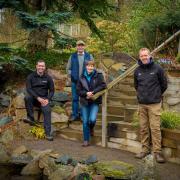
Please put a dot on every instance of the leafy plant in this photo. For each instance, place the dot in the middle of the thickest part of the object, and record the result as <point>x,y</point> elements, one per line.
<point>170,120</point>
<point>38,131</point>
<point>135,121</point>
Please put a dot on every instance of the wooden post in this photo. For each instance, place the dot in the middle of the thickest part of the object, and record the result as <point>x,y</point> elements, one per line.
<point>104,119</point>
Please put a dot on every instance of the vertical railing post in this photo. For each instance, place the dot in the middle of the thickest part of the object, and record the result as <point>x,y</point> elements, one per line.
<point>104,119</point>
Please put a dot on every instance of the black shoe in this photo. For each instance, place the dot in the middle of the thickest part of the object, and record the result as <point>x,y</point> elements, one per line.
<point>74,119</point>
<point>30,122</point>
<point>49,138</point>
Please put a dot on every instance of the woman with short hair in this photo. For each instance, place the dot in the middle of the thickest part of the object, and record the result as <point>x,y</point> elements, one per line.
<point>89,84</point>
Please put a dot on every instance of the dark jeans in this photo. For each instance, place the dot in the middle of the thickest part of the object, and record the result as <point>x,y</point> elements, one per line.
<point>75,101</point>
<point>30,102</point>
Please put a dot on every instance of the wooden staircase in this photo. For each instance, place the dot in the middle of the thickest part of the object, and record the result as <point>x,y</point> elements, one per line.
<point>121,105</point>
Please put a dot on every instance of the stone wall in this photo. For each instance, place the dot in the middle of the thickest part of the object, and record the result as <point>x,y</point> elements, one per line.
<point>171,99</point>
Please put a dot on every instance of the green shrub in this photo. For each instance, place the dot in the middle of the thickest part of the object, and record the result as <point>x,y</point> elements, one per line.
<point>53,59</point>
<point>170,120</point>
<point>135,121</point>
<point>178,58</point>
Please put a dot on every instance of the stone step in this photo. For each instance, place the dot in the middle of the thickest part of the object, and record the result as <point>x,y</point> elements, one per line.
<point>119,92</point>
<point>126,82</point>
<point>131,135</point>
<point>123,100</point>
<point>115,126</point>
<point>123,86</point>
<point>79,126</point>
<point>125,147</point>
<point>126,111</point>
<point>116,110</point>
<point>76,135</point>
<point>111,117</point>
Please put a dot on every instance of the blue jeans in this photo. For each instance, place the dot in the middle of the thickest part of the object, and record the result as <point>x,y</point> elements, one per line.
<point>89,114</point>
<point>75,101</point>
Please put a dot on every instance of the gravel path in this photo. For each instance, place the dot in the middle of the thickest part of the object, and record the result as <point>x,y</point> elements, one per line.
<point>167,171</point>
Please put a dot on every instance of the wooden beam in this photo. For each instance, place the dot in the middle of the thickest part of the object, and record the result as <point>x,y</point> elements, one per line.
<point>165,42</point>
<point>104,119</point>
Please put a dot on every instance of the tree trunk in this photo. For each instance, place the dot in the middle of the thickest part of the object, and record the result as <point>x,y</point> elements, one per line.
<point>37,40</point>
<point>179,48</point>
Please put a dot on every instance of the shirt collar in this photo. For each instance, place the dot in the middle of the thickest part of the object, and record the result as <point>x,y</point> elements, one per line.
<point>81,53</point>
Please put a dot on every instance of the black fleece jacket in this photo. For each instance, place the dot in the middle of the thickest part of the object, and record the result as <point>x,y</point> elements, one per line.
<point>40,86</point>
<point>96,84</point>
<point>150,82</point>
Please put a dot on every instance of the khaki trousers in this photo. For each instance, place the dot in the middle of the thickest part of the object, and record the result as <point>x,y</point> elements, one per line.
<point>149,116</point>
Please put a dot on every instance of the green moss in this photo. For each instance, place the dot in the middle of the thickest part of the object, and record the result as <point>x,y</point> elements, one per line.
<point>58,109</point>
<point>114,169</point>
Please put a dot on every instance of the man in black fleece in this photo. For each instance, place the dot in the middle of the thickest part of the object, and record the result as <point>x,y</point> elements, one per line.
<point>150,83</point>
<point>40,89</point>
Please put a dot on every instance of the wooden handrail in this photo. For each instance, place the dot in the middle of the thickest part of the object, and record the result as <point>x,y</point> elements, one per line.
<point>132,68</point>
<point>117,80</point>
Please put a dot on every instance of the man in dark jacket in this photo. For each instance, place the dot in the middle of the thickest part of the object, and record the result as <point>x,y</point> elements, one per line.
<point>150,83</point>
<point>75,68</point>
<point>40,89</point>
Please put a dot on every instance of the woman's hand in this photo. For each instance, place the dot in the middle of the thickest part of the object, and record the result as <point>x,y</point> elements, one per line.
<point>89,95</point>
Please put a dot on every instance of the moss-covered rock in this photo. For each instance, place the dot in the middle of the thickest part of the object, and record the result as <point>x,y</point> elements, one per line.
<point>58,109</point>
<point>114,169</point>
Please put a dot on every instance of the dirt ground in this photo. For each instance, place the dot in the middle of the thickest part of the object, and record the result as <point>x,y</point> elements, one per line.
<point>167,171</point>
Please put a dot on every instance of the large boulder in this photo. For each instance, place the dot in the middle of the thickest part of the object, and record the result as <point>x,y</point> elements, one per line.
<point>4,100</point>
<point>7,136</point>
<point>62,173</point>
<point>59,118</point>
<point>91,159</point>
<point>61,97</point>
<point>79,169</point>
<point>58,109</point>
<point>20,150</point>
<point>18,101</point>
<point>114,169</point>
<point>65,160</point>
<point>5,120</point>
<point>21,159</point>
<point>4,157</point>
<point>32,168</point>
<point>48,165</point>
<point>39,153</point>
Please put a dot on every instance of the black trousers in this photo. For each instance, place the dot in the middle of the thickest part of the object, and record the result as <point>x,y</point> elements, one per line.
<point>30,102</point>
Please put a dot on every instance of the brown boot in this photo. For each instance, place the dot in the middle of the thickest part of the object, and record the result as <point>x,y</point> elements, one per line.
<point>142,155</point>
<point>159,157</point>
